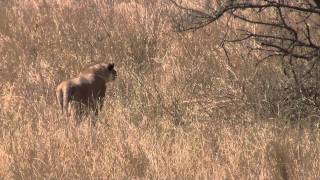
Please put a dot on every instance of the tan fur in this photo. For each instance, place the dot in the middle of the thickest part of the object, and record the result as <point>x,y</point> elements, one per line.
<point>87,91</point>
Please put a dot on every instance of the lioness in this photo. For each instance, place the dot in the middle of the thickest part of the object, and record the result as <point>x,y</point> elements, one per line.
<point>85,92</point>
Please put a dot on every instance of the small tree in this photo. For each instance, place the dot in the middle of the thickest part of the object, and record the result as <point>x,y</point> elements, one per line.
<point>286,30</point>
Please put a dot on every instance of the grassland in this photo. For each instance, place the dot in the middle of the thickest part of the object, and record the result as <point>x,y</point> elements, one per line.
<point>178,110</point>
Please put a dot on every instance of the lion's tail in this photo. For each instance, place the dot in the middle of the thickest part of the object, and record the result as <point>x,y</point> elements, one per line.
<point>59,93</point>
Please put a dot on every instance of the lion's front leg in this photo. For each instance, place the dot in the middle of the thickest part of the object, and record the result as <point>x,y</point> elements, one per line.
<point>97,109</point>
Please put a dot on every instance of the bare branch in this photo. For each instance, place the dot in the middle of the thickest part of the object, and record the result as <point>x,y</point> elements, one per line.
<point>288,31</point>
<point>215,15</point>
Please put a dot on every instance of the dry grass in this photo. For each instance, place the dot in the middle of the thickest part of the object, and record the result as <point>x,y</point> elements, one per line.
<point>178,109</point>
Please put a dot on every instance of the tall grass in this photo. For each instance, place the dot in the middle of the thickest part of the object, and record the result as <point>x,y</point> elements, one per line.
<point>178,110</point>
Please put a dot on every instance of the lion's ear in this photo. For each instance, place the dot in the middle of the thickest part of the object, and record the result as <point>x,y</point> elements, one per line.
<point>110,66</point>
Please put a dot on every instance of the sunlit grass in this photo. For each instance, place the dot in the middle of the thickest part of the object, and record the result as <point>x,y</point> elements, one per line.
<point>178,110</point>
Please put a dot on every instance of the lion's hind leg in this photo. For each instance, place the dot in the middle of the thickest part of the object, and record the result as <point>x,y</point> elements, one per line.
<point>76,113</point>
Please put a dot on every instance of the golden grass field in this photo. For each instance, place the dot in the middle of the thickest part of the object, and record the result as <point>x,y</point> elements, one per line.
<point>178,110</point>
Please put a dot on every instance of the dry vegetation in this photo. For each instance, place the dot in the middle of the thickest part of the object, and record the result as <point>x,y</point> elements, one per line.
<point>178,110</point>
